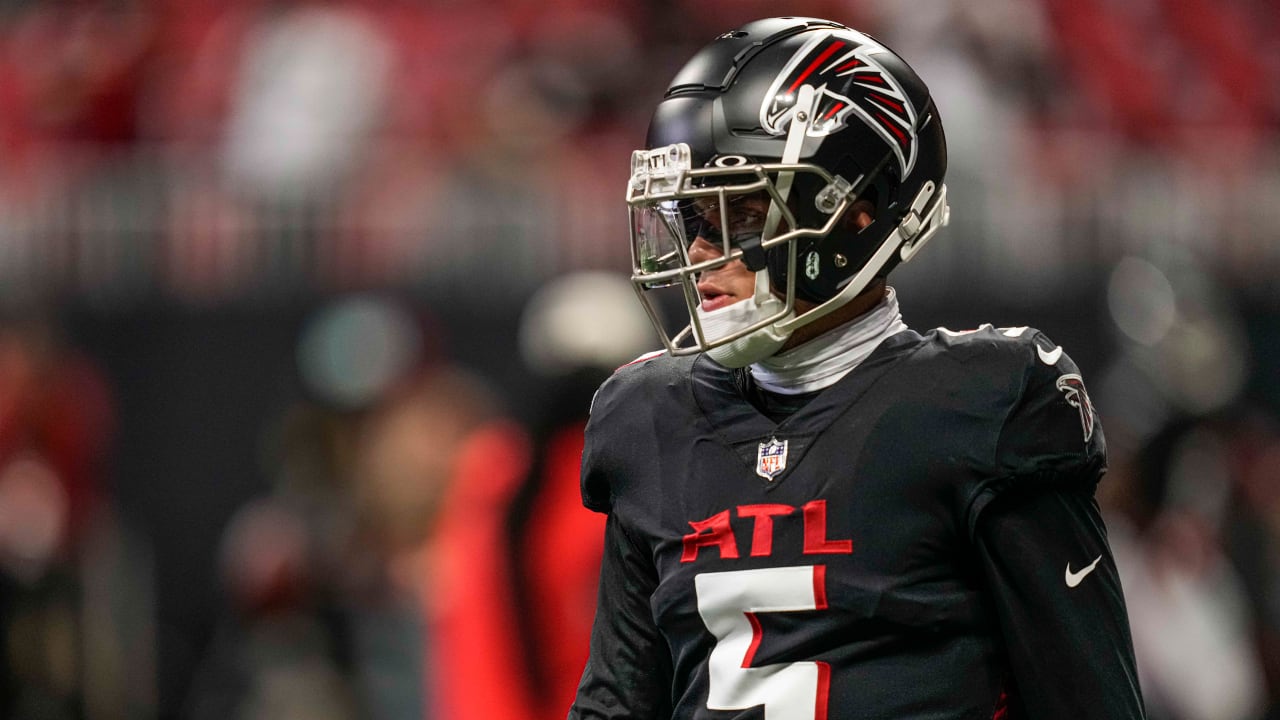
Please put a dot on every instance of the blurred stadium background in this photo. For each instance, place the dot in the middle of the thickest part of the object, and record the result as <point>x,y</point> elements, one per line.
<point>301,303</point>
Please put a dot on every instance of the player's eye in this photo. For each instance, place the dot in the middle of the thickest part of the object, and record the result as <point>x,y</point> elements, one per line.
<point>705,230</point>
<point>744,216</point>
<point>747,220</point>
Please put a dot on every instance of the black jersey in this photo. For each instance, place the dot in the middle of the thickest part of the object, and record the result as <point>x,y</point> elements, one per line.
<point>919,540</point>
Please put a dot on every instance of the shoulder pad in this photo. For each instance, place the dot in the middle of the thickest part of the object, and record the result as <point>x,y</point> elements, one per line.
<point>625,370</point>
<point>620,405</point>
<point>984,335</point>
<point>1053,424</point>
<point>1049,435</point>
<point>647,356</point>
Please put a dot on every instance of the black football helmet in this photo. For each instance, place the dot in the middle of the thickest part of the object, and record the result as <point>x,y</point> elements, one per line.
<point>811,116</point>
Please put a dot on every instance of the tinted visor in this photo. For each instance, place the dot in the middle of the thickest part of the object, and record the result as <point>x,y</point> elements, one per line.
<point>739,216</point>
<point>662,231</point>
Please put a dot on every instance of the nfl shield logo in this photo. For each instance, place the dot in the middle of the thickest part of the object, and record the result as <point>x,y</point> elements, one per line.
<point>772,458</point>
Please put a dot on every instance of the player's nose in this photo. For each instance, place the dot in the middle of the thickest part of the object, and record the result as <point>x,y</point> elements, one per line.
<point>702,249</point>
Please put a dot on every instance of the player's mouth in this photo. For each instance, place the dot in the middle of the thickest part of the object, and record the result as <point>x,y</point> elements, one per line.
<point>713,298</point>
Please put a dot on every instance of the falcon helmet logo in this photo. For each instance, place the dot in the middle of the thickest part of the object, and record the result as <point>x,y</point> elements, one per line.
<point>1072,386</point>
<point>873,94</point>
<point>771,459</point>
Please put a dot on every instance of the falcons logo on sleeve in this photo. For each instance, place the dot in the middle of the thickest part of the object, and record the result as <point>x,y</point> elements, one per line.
<point>847,80</point>
<point>1072,386</point>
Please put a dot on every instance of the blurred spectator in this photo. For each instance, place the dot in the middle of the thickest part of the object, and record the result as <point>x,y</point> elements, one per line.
<point>56,412</point>
<point>1193,625</point>
<point>290,644</point>
<point>55,430</point>
<point>1183,443</point>
<point>335,578</point>
<point>574,332</point>
<point>1251,533</point>
<point>80,68</point>
<point>310,91</point>
<point>280,656</point>
<point>449,433</point>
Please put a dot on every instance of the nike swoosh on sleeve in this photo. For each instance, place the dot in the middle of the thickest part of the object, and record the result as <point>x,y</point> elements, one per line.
<point>1073,579</point>
<point>1049,357</point>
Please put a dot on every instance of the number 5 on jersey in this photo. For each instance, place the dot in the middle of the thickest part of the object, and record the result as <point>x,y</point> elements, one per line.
<point>728,603</point>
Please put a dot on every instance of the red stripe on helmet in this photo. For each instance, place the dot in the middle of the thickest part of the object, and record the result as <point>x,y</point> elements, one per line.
<point>893,128</point>
<point>887,101</point>
<point>814,65</point>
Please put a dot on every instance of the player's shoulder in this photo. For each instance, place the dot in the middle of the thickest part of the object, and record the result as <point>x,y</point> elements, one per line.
<point>621,417</point>
<point>641,378</point>
<point>1023,354</point>
<point>646,365</point>
<point>1046,429</point>
<point>1021,344</point>
<point>1016,352</point>
<point>1049,418</point>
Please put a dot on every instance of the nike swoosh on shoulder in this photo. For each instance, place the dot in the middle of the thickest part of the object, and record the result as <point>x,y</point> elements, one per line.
<point>1073,579</point>
<point>1049,357</point>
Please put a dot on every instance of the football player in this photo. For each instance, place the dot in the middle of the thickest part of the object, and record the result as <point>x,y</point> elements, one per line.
<point>815,511</point>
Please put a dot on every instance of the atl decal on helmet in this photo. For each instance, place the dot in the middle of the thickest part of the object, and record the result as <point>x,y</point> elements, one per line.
<point>873,94</point>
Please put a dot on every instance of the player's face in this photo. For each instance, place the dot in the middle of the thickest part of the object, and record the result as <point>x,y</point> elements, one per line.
<point>732,282</point>
<point>722,286</point>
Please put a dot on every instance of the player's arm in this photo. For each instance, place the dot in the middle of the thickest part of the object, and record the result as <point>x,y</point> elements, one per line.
<point>628,673</point>
<point>1057,595</point>
<point>1042,546</point>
